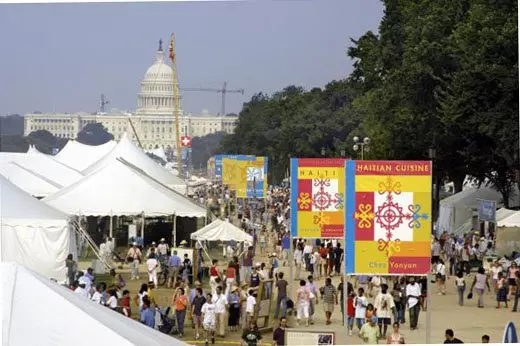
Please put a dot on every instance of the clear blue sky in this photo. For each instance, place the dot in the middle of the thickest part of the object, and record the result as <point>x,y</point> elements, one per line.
<point>63,56</point>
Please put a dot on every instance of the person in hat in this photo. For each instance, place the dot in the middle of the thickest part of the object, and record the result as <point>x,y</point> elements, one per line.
<point>234,308</point>
<point>183,243</point>
<point>162,250</point>
<point>370,332</point>
<point>134,256</point>
<point>243,304</point>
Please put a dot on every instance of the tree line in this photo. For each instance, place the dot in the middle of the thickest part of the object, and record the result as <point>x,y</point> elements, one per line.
<point>438,75</point>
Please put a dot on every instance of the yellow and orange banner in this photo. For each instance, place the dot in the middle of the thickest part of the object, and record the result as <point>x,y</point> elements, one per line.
<point>317,198</point>
<point>388,217</point>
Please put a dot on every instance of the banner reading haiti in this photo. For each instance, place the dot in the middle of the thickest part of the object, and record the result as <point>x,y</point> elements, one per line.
<point>317,198</point>
<point>388,217</point>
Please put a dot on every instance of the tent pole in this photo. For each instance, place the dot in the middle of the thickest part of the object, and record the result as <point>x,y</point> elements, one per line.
<point>111,232</point>
<point>142,227</point>
<point>174,232</point>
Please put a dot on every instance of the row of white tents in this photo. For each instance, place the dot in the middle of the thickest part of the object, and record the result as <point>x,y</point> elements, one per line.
<point>113,179</point>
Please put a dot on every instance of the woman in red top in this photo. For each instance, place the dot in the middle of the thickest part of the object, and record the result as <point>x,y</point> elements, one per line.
<point>214,276</point>
<point>231,275</point>
<point>125,304</point>
<point>180,303</point>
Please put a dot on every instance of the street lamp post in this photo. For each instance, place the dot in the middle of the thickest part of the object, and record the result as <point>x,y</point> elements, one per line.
<point>361,145</point>
<point>432,153</point>
<point>342,153</point>
<point>322,151</point>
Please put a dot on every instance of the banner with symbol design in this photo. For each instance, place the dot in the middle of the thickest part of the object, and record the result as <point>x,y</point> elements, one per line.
<point>388,217</point>
<point>252,177</point>
<point>317,198</point>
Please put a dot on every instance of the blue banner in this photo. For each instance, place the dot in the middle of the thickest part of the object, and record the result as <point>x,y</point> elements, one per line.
<point>487,211</point>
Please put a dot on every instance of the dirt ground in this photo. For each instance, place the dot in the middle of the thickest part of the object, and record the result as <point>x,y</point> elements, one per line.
<point>468,322</point>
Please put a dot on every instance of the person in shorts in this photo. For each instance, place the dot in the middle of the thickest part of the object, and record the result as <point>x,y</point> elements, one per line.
<point>330,298</point>
<point>196,308</point>
<point>209,319</point>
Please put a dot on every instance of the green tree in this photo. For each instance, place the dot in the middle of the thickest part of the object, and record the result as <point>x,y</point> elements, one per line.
<point>94,134</point>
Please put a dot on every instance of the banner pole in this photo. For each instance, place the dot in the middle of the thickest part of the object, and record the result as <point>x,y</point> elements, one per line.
<point>344,308</point>
<point>428,309</point>
<point>291,264</point>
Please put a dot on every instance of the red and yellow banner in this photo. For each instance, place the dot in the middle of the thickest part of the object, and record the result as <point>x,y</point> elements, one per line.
<point>388,217</point>
<point>317,198</point>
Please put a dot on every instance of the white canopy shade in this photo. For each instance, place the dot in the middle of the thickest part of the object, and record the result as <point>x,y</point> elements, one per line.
<point>32,233</point>
<point>80,156</point>
<point>122,189</point>
<point>503,213</point>
<point>45,166</point>
<point>73,320</point>
<point>512,220</point>
<point>27,180</point>
<point>222,230</point>
<point>128,151</point>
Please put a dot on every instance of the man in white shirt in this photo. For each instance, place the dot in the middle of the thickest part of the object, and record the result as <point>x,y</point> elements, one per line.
<point>96,297</point>
<point>162,248</point>
<point>413,294</point>
<point>384,304</point>
<point>307,252</point>
<point>220,301</point>
<point>151,266</point>
<point>298,258</point>
<point>81,291</point>
<point>85,280</point>
<point>436,253</point>
<point>250,306</point>
<point>360,305</point>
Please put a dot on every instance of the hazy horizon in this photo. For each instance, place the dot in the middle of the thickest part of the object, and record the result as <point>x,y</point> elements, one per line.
<point>62,57</point>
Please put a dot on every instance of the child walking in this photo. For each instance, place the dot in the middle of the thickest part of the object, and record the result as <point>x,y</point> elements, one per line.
<point>460,285</point>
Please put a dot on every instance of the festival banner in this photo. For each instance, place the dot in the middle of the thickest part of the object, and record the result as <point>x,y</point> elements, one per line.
<point>218,167</point>
<point>211,168</point>
<point>388,217</point>
<point>317,198</point>
<point>253,178</point>
<point>229,171</point>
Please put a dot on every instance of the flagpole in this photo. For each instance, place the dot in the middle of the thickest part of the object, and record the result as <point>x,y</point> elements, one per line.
<point>176,105</point>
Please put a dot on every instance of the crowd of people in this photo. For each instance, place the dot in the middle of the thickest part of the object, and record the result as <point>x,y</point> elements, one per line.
<point>376,306</point>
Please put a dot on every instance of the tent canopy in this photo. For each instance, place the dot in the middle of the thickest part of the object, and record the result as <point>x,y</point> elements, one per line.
<point>503,213</point>
<point>22,313</point>
<point>513,220</point>
<point>221,230</point>
<point>456,210</point>
<point>80,156</point>
<point>127,150</point>
<point>31,182</point>
<point>120,188</point>
<point>45,166</point>
<point>32,233</point>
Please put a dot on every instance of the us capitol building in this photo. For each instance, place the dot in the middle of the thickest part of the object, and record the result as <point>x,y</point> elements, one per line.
<point>153,120</point>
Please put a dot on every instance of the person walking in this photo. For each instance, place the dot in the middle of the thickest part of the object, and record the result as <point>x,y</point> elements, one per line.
<point>450,337</point>
<point>151,266</point>
<point>384,305</point>
<point>517,292</point>
<point>502,290</point>
<point>196,311</point>
<point>311,285</point>
<point>251,335</point>
<point>209,319</point>
<point>399,301</point>
<point>479,283</point>
<point>360,304</point>
<point>234,308</point>
<point>134,256</point>
<point>281,297</point>
<point>174,265</point>
<point>279,333</point>
<point>370,332</point>
<point>440,277</point>
<point>395,337</point>
<point>180,304</point>
<point>511,277</point>
<point>214,277</point>
<point>221,303</point>
<point>413,295</point>
<point>303,297</point>
<point>460,285</point>
<point>330,298</point>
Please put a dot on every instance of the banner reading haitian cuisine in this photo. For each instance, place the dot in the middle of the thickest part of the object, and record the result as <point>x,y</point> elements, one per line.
<point>388,217</point>
<point>317,198</point>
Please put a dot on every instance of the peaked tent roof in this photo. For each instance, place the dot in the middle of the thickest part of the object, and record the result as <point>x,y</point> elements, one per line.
<point>22,311</point>
<point>127,150</point>
<point>80,156</point>
<point>31,182</point>
<point>504,213</point>
<point>512,220</point>
<point>45,166</point>
<point>221,230</point>
<point>469,197</point>
<point>122,189</point>
<point>16,206</point>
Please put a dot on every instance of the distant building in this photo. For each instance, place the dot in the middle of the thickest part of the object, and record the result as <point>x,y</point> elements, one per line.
<point>153,120</point>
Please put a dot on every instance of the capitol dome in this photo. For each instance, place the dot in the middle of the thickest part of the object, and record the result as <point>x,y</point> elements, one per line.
<point>156,92</point>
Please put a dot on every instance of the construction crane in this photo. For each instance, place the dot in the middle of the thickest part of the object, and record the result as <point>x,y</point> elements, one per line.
<point>103,103</point>
<point>223,91</point>
<point>176,104</point>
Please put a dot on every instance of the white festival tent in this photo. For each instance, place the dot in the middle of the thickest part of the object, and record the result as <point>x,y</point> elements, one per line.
<point>118,189</point>
<point>44,165</point>
<point>80,156</point>
<point>457,210</point>
<point>27,299</point>
<point>159,152</point>
<point>128,151</point>
<point>32,233</point>
<point>31,182</point>
<point>504,213</point>
<point>222,230</point>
